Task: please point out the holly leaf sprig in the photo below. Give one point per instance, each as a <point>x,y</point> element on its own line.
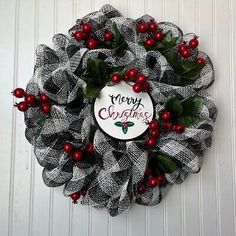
<point>97,75</point>
<point>186,111</point>
<point>118,43</point>
<point>186,71</point>
<point>162,163</point>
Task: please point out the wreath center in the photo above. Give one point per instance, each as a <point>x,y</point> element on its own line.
<point>121,113</point>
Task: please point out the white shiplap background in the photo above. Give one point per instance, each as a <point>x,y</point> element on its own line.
<point>204,205</point>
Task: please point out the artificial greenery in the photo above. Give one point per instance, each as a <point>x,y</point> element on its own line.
<point>186,71</point>
<point>186,111</point>
<point>166,163</point>
<point>118,43</point>
<point>97,75</point>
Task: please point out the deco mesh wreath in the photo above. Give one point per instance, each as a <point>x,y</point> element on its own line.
<point>118,112</point>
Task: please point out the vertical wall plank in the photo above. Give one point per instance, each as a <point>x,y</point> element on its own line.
<point>22,172</point>
<point>7,82</point>
<point>207,190</point>
<point>223,125</point>
<point>42,200</point>
<point>190,188</point>
<point>63,15</point>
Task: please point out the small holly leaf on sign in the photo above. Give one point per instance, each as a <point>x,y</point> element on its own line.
<point>130,124</point>
<point>124,125</point>
<point>119,124</point>
<point>125,129</point>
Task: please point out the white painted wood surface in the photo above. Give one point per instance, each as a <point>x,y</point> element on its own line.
<point>203,205</point>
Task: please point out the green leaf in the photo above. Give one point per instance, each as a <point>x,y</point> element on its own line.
<point>169,41</point>
<point>119,124</point>
<point>130,124</point>
<point>93,129</point>
<point>190,115</point>
<point>118,43</point>
<point>192,105</point>
<point>166,163</point>
<point>191,70</point>
<point>97,71</point>
<point>173,60</point>
<point>92,91</point>
<point>125,129</point>
<point>188,120</point>
<point>174,105</point>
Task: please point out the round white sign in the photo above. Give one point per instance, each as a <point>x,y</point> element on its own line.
<point>121,113</point>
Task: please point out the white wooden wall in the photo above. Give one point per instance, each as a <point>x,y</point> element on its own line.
<point>202,206</point>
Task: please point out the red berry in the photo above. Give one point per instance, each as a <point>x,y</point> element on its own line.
<point>87,28</point>
<point>154,133</point>
<point>108,36</point>
<point>126,77</point>
<point>90,148</point>
<point>151,142</point>
<point>22,106</point>
<point>132,73</point>
<point>193,43</point>
<point>91,43</point>
<point>146,86</point>
<point>161,178</point>
<point>79,35</point>
<point>30,99</point>
<point>154,124</point>
<point>168,126</point>
<point>179,128</point>
<point>166,115</point>
<point>83,191</point>
<point>152,26</point>
<point>19,92</point>
<point>137,88</point>
<point>45,107</point>
<point>200,60</point>
<point>186,53</point>
<point>148,171</point>
<point>153,182</point>
<point>142,188</point>
<point>181,48</point>
<point>142,27</point>
<point>158,36</point>
<point>77,155</point>
<point>116,77</point>
<point>43,98</point>
<point>149,42</point>
<point>75,196</point>
<point>141,78</point>
<point>67,147</point>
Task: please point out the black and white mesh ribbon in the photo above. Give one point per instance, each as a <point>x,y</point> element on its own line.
<point>118,167</point>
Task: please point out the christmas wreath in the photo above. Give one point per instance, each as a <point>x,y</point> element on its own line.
<point>117,111</point>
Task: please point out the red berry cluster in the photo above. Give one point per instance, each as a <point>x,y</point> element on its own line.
<point>76,195</point>
<point>77,155</point>
<point>168,125</point>
<point>152,181</point>
<point>154,133</point>
<point>156,34</point>
<point>85,34</point>
<point>31,100</point>
<point>132,75</point>
<point>185,49</point>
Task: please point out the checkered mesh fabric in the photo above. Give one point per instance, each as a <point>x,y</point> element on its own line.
<point>118,167</point>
